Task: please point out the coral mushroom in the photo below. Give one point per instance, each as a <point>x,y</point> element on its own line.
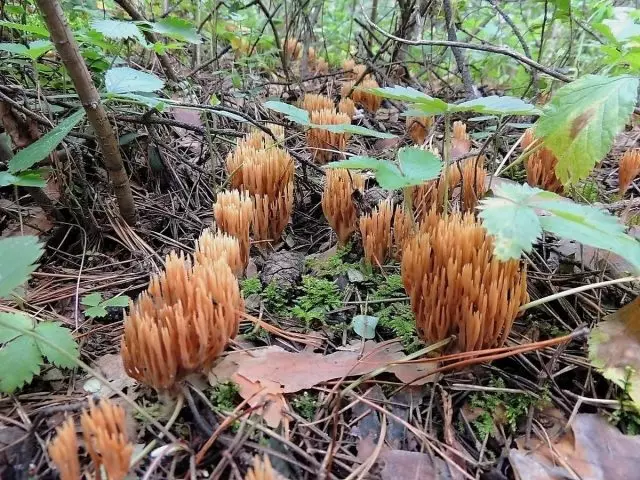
<point>347,106</point>
<point>103,430</point>
<point>431,194</point>
<point>629,169</point>
<point>541,166</point>
<point>359,93</point>
<point>262,470</point>
<point>292,49</point>
<point>457,287</point>
<point>211,247</point>
<point>376,233</point>
<point>460,141</point>
<point>312,102</point>
<point>233,212</point>
<point>63,450</point>
<point>418,128</point>
<point>321,140</point>
<point>337,202</point>
<point>473,183</point>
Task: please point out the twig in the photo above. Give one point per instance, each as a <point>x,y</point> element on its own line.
<point>472,91</point>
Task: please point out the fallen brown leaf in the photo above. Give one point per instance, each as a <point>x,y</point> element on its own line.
<point>402,465</point>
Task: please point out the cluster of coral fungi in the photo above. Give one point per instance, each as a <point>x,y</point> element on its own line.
<point>105,440</point>
<point>629,169</point>
<point>356,85</point>
<point>337,201</point>
<point>540,165</point>
<point>322,111</point>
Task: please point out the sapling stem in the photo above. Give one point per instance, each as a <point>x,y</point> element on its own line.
<point>446,154</point>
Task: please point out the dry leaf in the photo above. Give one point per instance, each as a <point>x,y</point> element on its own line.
<point>592,450</point>
<point>112,369</point>
<point>402,465</point>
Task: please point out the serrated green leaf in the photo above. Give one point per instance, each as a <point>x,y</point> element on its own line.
<point>92,299</point>
<point>61,337</point>
<point>17,260</point>
<point>357,129</point>
<point>118,30</point>
<point>7,320</point>
<point>28,178</point>
<point>35,29</point>
<point>96,312</point>
<point>365,326</point>
<point>20,360</point>
<point>33,51</point>
<point>127,80</point>
<point>423,102</point>
<point>419,165</point>
<point>496,105</point>
<point>29,156</point>
<point>119,301</point>
<point>294,114</point>
<point>178,29</point>
<point>582,119</point>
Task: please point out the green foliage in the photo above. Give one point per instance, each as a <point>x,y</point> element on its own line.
<point>120,80</point>
<point>21,354</point>
<point>582,119</point>
<point>118,30</point>
<point>364,326</point>
<point>318,296</point>
<point>517,214</point>
<point>330,267</point>
<point>399,318</point>
<point>250,286</point>
<point>392,286</point>
<point>32,51</point>
<point>98,306</point>
<point>17,261</point>
<point>305,404</point>
<point>176,28</point>
<point>414,167</point>
<point>224,396</point>
<point>275,299</point>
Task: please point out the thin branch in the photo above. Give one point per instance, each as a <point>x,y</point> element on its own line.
<point>472,91</point>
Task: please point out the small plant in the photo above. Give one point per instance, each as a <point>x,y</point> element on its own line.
<point>97,307</point>
<point>224,396</point>
<point>332,266</point>
<point>250,286</point>
<point>305,405</point>
<point>318,293</point>
<point>275,299</point>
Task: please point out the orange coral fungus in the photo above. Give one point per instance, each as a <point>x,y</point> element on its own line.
<point>277,130</point>
<point>347,106</point>
<point>322,141</point>
<point>63,450</point>
<point>629,169</point>
<point>292,49</point>
<point>457,287</point>
<point>312,102</point>
<point>320,67</point>
<point>233,212</point>
<point>376,233</point>
<point>418,128</point>
<point>541,166</point>
<point>262,470</point>
<point>271,215</point>
<point>211,246</point>
<point>473,183</point>
<point>337,203</point>
<point>404,228</point>
<point>431,193</point>
<point>348,65</point>
<point>460,141</point>
<point>182,322</point>
<point>105,438</point>
<point>360,95</point>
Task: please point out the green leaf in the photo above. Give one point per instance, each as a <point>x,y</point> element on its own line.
<point>419,165</point>
<point>365,326</point>
<point>61,337</point>
<point>118,30</point>
<point>28,178</point>
<point>582,119</point>
<point>389,176</point>
<point>348,128</point>
<point>127,80</point>
<point>293,114</point>
<point>424,102</point>
<point>20,360</point>
<point>495,105</point>
<point>356,162</point>
<point>178,29</point>
<point>17,261</point>
<point>96,312</point>
<point>38,150</point>
<point>150,101</point>
<point>119,301</point>
<point>19,320</point>
<point>33,51</point>
<point>35,29</point>
<point>92,299</point>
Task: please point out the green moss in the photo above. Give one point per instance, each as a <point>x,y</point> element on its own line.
<point>390,287</point>
<point>250,286</point>
<point>305,405</point>
<point>275,299</point>
<point>399,319</point>
<point>224,396</point>
<point>318,296</point>
<point>585,192</point>
<point>331,267</point>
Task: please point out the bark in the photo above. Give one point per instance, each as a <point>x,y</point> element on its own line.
<point>67,48</point>
<point>151,37</point>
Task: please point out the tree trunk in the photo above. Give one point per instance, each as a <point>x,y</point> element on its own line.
<point>67,48</point>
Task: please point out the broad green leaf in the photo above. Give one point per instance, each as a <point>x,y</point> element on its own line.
<point>178,29</point>
<point>356,162</point>
<point>92,299</point>
<point>119,301</point>
<point>348,128</point>
<point>496,105</point>
<point>390,177</point>
<point>17,261</point>
<point>407,94</point>
<point>38,150</point>
<point>20,360</point>
<point>19,320</point>
<point>582,119</point>
<point>33,51</point>
<point>150,101</point>
<point>118,30</point>
<point>61,337</point>
<point>28,178</point>
<point>365,326</point>
<point>128,80</point>
<point>35,29</point>
<point>419,165</point>
<point>294,114</point>
<point>230,115</point>
<point>96,312</point>
<point>614,349</point>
